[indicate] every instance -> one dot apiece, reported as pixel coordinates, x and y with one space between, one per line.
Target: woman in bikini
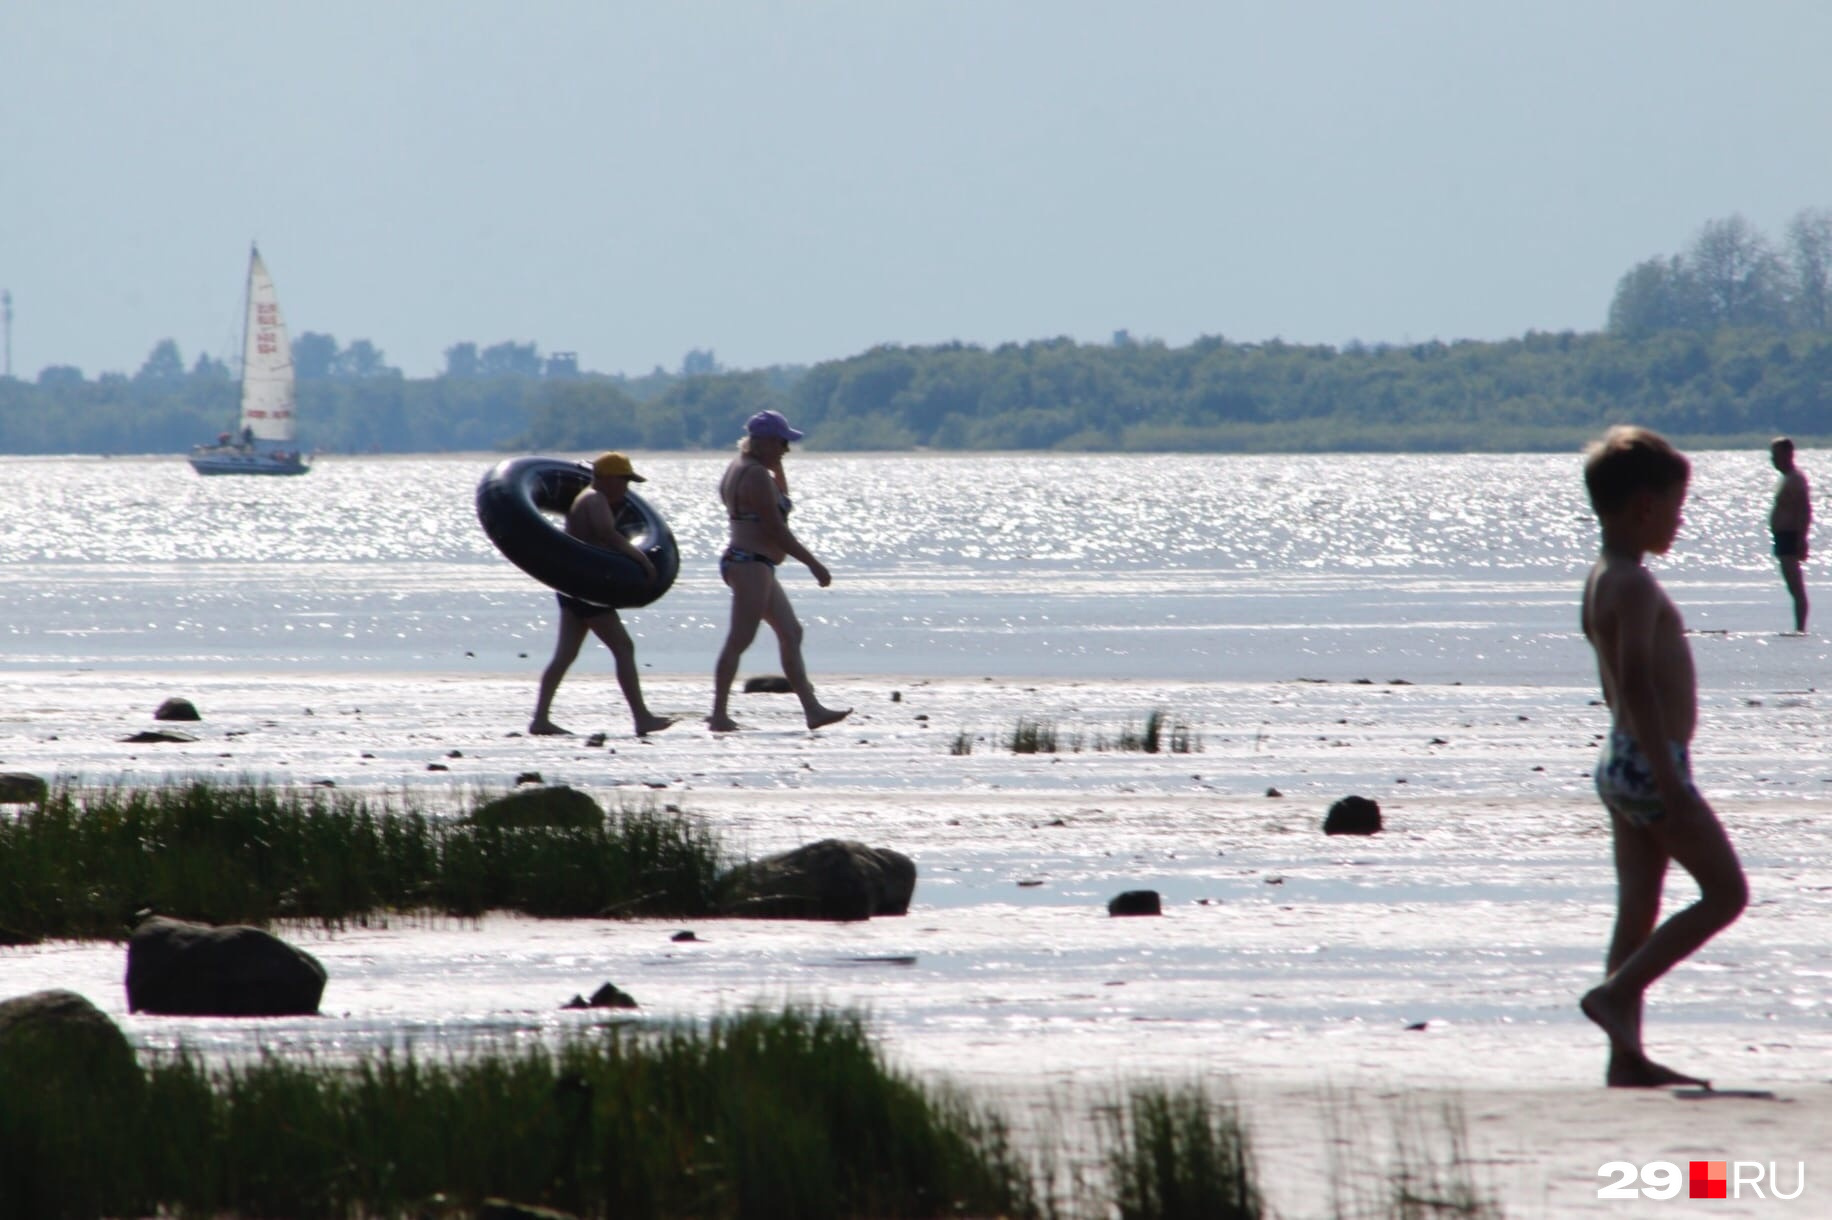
756 496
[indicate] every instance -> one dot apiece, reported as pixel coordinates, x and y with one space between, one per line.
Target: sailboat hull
234 462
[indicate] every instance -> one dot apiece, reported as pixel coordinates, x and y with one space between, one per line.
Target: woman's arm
760 493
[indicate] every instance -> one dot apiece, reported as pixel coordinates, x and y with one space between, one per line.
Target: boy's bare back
1640 642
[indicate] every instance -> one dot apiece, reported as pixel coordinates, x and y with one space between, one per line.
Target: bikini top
783 504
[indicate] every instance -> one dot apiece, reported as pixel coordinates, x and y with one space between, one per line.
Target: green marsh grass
84 862
1179 1154
1033 737
790 1114
1158 735
1428 1174
756 1115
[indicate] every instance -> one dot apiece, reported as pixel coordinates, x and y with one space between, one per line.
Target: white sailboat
263 442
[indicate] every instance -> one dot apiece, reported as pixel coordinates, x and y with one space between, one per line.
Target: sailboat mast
254 256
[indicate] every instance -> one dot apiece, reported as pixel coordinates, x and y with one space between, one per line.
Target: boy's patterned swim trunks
1624 782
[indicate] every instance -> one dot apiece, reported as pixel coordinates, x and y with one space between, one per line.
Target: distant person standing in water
592 518
756 495
1637 483
1789 521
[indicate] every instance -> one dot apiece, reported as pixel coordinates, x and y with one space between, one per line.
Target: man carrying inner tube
592 519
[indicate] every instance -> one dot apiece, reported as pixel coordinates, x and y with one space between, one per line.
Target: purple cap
771 423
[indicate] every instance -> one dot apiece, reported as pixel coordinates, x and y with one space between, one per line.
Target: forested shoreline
1728 343
1542 391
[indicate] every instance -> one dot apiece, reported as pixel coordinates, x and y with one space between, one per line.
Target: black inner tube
513 502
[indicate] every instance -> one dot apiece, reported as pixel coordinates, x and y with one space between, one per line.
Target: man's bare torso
1793 506
592 518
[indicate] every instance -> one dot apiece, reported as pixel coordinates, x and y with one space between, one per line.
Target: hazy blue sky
786 183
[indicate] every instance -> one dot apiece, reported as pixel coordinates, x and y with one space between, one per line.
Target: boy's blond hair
1627 460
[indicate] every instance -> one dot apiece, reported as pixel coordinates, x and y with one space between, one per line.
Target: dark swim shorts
585 610
1787 544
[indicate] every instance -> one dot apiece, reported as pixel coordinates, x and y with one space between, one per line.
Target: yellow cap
613 464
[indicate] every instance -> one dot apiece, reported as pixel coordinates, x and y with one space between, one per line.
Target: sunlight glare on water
1444 566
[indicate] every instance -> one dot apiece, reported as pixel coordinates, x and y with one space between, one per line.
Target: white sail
267 361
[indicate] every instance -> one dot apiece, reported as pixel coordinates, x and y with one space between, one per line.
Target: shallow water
1399 627
1440 568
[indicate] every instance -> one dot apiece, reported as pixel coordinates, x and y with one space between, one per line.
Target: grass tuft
1178 1154
791 1114
1159 734
85 863
1033 737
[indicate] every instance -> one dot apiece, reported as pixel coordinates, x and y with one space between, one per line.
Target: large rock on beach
60 1038
552 805
71 1094
177 708
1352 815
22 788
768 684
836 879
184 969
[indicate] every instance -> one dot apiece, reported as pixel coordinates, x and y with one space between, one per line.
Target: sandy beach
1345 991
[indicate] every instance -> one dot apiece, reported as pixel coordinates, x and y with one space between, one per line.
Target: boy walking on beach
1637 483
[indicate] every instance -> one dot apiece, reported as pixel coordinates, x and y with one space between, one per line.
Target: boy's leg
1696 840
610 629
565 650
1641 870
1699 845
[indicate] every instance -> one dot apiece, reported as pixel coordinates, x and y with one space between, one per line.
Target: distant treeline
1728 343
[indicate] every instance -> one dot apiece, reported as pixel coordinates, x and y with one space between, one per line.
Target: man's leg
565 650
1796 589
609 628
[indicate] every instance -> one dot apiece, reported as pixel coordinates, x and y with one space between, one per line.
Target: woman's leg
750 583
781 617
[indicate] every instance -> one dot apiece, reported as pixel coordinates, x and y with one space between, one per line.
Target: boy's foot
547 728
722 724
1640 1072
646 725
1615 1026
825 716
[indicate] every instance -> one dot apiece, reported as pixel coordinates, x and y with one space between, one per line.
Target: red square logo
1708 1179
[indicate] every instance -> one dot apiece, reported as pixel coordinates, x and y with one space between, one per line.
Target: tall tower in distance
6 320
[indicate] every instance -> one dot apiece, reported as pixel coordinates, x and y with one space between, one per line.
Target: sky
785 183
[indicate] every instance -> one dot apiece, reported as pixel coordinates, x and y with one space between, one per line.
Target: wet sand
1344 990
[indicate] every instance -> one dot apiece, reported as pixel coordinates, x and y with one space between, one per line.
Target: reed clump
1179 1154
1033 737
758 1115
1159 734
83 863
